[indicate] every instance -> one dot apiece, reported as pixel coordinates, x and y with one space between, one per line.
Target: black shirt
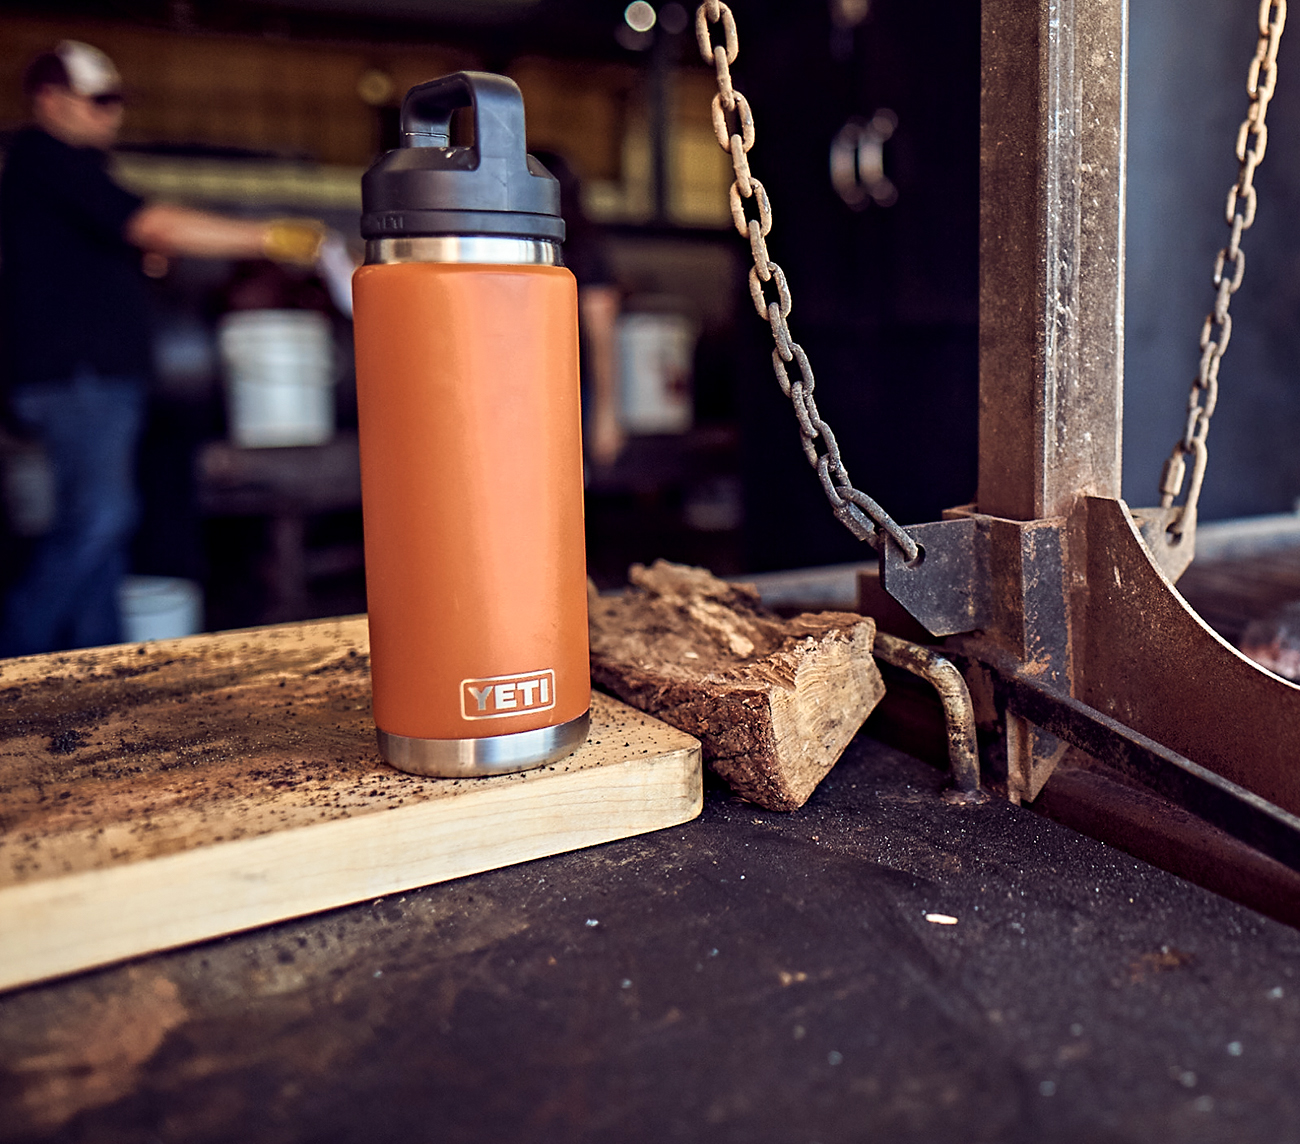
72 294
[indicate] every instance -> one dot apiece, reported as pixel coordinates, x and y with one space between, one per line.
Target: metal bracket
1005 578
947 588
1172 554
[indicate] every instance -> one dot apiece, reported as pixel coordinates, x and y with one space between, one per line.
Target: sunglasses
107 99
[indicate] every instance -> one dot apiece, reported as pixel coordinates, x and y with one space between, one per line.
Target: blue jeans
67 596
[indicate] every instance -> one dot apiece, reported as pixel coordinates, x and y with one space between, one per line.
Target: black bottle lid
428 187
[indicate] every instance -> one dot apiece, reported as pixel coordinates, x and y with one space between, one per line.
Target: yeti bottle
471 454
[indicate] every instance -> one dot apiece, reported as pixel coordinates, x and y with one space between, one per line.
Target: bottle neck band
501 249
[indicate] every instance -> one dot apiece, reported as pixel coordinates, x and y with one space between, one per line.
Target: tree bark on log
773 701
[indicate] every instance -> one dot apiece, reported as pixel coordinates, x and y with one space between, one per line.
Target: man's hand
295 241
163 228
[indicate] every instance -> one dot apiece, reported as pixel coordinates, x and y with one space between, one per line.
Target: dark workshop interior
278 107
753 976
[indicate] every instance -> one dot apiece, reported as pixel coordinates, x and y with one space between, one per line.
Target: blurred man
75 334
599 302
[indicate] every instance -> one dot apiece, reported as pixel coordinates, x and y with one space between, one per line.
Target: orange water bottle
471 455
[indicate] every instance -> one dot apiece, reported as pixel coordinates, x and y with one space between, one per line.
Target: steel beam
1231 808
1052 114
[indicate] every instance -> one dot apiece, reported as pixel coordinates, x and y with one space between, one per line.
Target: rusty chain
1229 267
733 124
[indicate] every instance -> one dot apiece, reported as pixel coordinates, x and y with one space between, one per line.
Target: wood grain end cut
774 702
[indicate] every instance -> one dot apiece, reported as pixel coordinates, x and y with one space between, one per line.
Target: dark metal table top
748 977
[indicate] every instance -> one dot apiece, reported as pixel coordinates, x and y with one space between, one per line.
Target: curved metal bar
958 712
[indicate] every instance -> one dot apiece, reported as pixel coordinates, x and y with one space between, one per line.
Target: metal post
1051 253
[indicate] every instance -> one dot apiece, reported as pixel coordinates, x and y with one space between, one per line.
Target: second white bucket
279 368
159 608
655 352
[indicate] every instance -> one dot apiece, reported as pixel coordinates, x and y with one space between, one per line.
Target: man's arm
598 306
172 230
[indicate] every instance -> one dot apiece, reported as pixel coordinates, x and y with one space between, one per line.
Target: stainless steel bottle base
493 755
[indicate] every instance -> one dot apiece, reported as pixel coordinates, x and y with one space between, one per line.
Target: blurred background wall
1187 97
277 106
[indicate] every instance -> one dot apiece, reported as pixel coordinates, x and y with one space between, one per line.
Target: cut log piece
774 702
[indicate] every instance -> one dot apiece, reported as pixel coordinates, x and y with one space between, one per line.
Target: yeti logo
503 695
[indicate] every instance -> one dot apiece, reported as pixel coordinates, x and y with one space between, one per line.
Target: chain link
1229 268
733 124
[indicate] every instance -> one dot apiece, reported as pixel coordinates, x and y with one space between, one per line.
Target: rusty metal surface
1051 319
1111 631
1009 581
1095 800
1004 578
1054 588
1150 662
1170 537
947 589
1230 808
1051 253
1033 754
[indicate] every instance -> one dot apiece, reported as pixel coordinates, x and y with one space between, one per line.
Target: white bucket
159 608
655 359
279 377
27 481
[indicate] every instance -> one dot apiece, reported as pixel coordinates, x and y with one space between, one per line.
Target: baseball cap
82 68
90 72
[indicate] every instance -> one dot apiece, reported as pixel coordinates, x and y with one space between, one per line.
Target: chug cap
493 187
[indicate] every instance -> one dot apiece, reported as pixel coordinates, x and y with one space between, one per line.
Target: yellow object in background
296 241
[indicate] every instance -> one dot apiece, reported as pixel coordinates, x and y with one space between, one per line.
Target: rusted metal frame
1008 697
1004 579
1052 149
1051 344
958 711
1045 589
1051 334
1237 811
1149 661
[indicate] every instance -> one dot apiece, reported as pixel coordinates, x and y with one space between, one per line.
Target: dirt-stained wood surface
158 794
774 702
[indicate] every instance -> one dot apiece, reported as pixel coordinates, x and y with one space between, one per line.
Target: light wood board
165 793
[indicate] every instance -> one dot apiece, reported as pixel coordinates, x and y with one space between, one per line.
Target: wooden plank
157 795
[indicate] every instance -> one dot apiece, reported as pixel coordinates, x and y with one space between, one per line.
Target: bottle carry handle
498 114
428 187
